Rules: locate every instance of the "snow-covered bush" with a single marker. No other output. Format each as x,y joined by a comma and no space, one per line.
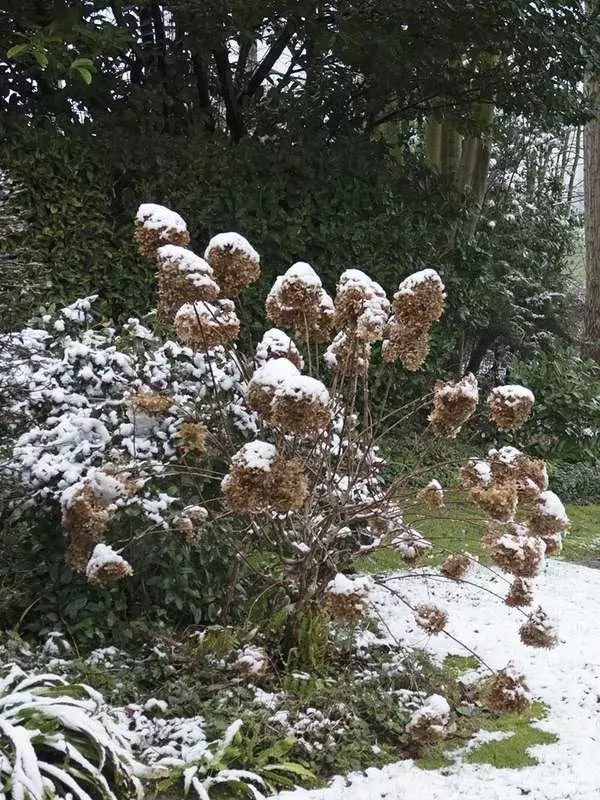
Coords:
197,432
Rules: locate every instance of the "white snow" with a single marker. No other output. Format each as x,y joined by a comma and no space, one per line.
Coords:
275,341
465,387
303,386
154,216
255,455
303,273
512,393
274,373
234,242
196,269
549,505
103,555
566,679
409,284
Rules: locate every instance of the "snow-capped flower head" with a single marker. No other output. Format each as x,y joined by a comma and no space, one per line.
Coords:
259,478
539,630
157,225
506,692
346,598
277,344
106,566
419,301
235,263
84,519
520,593
252,661
265,381
402,344
190,521
514,550
432,495
498,501
411,544
431,618
453,403
550,516
475,473
348,355
182,277
361,305
428,724
301,405
203,326
298,301
510,406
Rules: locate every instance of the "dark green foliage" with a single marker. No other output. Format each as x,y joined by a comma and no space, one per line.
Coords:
577,482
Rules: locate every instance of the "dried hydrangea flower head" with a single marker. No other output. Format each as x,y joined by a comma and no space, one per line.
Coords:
152,403
510,406
514,550
539,630
252,662
234,261
506,692
246,487
182,277
432,495
264,383
155,226
361,305
419,301
289,484
300,405
550,516
529,475
431,618
475,474
297,300
348,356
106,566
520,593
457,565
346,599
498,501
400,343
203,326
453,403
428,724
411,544
191,437
189,522
277,344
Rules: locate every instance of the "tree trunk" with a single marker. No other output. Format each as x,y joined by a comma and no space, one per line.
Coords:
591,179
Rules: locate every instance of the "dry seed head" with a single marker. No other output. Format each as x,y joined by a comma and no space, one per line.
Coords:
432,495
247,486
85,519
520,593
189,523
348,356
264,383
277,344
346,600
192,437
431,618
539,630
182,277
507,693
428,724
300,287
361,304
419,301
203,326
411,545
510,406
454,402
155,226
290,485
499,501
234,261
316,324
106,566
400,343
550,516
476,474
457,565
301,405
150,403
554,544
518,554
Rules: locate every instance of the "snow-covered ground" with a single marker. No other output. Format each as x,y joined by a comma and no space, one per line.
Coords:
567,679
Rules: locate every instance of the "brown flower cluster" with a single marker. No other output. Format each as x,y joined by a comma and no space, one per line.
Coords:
298,301
85,519
506,692
431,618
155,226
345,599
432,495
539,630
550,519
417,305
264,383
189,522
510,406
235,263
106,566
498,501
514,550
456,565
277,344
192,437
520,593
151,403
348,355
453,403
182,277
206,325
259,479
301,405
429,724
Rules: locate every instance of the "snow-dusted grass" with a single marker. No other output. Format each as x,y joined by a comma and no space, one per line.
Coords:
566,680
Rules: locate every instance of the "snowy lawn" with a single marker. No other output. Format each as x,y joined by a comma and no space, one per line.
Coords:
566,679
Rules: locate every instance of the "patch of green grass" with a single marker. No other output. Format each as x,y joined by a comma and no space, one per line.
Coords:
509,753
456,665
583,540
